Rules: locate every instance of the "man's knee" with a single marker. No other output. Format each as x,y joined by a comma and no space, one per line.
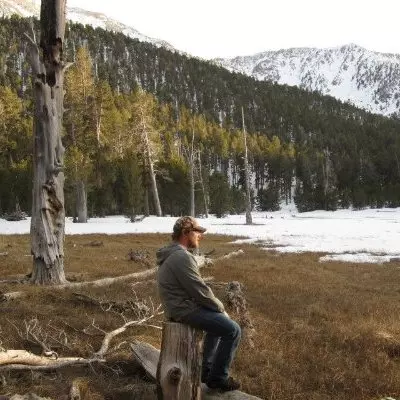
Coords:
235,331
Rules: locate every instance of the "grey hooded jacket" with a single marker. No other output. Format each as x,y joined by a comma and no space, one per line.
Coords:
181,288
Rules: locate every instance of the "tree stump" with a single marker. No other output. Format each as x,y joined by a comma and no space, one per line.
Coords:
179,365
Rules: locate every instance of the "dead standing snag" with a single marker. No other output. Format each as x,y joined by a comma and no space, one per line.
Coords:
48,215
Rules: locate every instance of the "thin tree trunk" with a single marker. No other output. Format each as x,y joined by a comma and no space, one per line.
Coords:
48,214
146,201
191,177
154,189
152,175
249,219
81,202
202,187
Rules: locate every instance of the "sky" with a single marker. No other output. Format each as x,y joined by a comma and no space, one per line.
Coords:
225,28
367,236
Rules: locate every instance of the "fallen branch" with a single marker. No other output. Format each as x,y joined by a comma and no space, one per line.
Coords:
147,356
110,335
230,255
46,359
29,396
11,296
22,359
16,280
202,260
109,281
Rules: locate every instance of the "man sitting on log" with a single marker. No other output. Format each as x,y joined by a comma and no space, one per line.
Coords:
187,299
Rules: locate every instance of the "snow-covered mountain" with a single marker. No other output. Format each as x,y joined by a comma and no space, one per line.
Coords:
367,79
27,8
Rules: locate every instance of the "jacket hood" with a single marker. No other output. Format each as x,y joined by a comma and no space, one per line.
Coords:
163,253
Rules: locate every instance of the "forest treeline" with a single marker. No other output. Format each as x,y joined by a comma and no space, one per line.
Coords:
143,124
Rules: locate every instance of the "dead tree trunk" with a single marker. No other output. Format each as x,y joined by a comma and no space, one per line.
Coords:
179,365
203,189
191,177
48,215
81,202
153,182
249,219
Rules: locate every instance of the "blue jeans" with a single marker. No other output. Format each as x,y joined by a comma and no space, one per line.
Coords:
220,342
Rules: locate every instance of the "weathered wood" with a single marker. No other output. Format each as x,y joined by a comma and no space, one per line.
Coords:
179,364
10,296
22,359
249,219
48,214
29,396
81,202
147,356
202,260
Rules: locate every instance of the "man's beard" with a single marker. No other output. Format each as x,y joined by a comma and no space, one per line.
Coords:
193,244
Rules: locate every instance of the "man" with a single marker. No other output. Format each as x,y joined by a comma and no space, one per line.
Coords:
187,299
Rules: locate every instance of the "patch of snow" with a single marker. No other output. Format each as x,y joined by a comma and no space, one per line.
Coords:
371,235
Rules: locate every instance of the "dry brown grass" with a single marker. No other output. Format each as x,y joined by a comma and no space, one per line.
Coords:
323,331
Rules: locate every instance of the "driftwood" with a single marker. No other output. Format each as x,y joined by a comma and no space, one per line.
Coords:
10,296
179,364
73,285
204,261
22,360
29,396
108,281
46,359
147,356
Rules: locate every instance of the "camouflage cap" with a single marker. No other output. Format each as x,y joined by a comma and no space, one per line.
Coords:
188,224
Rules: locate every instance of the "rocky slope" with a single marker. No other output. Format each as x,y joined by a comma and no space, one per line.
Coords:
367,79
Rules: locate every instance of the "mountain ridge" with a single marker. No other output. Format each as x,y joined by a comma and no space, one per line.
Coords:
367,79
29,8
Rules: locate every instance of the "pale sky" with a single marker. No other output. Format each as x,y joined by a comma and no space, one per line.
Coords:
212,28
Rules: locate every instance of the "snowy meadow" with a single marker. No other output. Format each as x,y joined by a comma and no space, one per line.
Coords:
371,235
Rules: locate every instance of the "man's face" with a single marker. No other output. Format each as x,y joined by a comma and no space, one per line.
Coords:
194,238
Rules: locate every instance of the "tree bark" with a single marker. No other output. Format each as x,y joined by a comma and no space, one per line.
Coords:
179,365
147,356
191,177
203,189
48,215
154,189
81,202
22,359
249,219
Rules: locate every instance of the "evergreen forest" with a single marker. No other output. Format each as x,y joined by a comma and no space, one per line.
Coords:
145,127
